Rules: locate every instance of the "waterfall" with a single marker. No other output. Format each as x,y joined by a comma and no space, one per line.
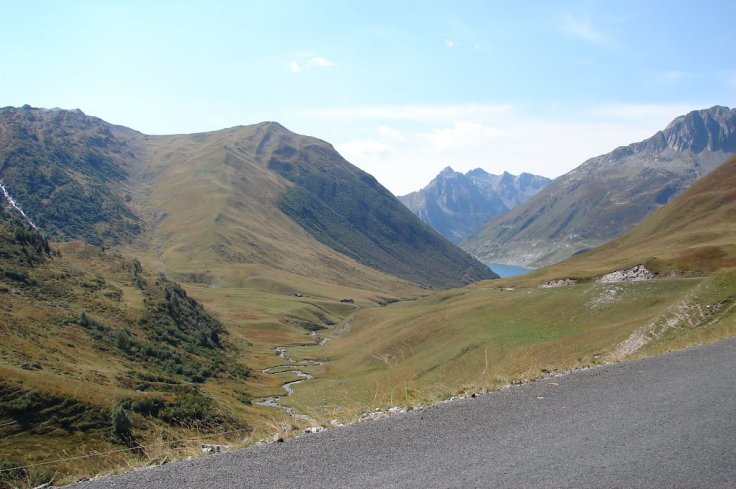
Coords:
15,206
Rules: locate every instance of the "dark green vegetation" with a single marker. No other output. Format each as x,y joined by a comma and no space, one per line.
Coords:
66,170
90,337
349,211
182,339
609,194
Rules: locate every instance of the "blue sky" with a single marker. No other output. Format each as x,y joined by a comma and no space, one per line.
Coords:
402,89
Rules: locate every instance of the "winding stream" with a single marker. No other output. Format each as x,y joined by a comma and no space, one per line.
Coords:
288,387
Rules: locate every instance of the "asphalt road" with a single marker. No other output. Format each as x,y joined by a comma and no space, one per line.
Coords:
664,422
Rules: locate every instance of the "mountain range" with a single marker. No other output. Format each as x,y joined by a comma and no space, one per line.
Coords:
249,195
176,284
608,194
457,205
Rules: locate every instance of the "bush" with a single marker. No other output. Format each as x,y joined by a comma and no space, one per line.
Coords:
121,424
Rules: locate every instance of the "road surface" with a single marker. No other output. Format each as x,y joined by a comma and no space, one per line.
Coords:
663,422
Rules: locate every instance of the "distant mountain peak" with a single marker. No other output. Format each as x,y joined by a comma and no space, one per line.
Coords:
477,172
272,126
457,205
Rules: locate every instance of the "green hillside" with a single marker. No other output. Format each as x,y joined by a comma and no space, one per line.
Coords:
66,169
99,354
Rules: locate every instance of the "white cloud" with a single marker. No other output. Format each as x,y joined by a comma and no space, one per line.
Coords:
309,61
366,148
418,113
405,147
461,135
319,62
584,30
450,43
389,133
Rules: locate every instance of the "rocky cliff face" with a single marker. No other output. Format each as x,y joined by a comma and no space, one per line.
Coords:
608,194
457,204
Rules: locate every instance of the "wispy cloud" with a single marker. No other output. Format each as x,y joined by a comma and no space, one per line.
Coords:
306,60
462,135
584,30
406,146
319,62
674,76
450,43
419,113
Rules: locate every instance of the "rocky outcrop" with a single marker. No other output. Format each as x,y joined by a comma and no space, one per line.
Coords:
634,274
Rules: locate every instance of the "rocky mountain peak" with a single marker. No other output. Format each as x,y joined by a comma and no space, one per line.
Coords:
447,172
457,204
477,173
711,129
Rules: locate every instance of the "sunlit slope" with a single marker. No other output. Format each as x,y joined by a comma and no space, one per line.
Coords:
87,331
476,339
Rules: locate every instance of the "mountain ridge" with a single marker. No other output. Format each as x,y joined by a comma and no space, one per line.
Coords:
218,197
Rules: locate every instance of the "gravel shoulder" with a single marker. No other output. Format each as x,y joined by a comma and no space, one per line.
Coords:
667,421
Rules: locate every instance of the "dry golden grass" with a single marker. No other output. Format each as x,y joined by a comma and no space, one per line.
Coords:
480,339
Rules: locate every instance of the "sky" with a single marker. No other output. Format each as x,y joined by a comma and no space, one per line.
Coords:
402,89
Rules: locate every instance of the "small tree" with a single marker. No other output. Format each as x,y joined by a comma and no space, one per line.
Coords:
121,424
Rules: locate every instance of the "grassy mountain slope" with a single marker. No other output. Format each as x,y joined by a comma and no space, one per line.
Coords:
89,334
348,210
493,333
609,194
66,169
86,331
213,206
205,205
